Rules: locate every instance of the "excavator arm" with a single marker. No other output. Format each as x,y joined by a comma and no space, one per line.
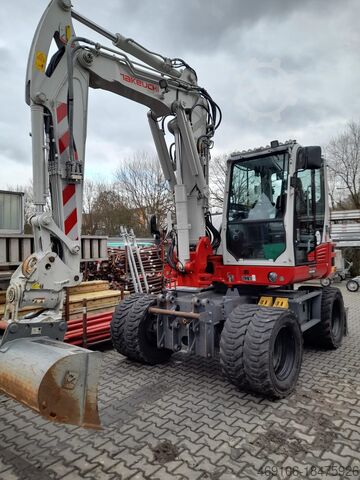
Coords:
60,381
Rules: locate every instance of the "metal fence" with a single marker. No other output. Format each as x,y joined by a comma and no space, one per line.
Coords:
345,228
15,248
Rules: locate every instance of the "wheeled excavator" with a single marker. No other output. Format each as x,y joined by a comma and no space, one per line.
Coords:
230,289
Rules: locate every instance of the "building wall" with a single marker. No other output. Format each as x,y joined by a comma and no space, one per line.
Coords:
11,212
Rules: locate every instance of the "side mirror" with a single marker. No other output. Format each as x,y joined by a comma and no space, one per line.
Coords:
308,158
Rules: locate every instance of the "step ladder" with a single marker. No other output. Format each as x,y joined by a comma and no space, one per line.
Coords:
136,266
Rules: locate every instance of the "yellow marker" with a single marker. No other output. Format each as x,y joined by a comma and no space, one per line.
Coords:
266,301
281,302
67,32
35,286
40,61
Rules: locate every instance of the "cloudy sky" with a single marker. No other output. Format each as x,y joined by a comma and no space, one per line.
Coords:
278,69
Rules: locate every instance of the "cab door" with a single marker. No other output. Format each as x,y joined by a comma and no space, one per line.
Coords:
309,213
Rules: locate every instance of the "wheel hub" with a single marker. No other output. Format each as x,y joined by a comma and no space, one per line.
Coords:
283,355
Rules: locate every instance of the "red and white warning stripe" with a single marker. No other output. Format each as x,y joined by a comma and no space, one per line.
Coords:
70,211
69,189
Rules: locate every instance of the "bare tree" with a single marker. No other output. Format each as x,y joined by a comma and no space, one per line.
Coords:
333,190
91,192
109,213
343,156
104,209
143,188
217,177
218,171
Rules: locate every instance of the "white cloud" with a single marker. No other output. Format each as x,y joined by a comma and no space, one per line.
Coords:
316,44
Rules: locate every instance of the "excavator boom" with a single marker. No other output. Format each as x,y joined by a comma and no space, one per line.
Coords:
57,380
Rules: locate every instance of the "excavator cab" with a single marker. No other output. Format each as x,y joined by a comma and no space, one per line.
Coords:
257,205
276,214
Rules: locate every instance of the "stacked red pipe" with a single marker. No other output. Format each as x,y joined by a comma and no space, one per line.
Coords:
97,330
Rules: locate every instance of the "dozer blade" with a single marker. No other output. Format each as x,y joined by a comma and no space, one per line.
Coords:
53,378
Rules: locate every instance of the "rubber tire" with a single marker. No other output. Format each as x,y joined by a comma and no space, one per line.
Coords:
259,349
350,282
132,338
322,334
232,344
326,282
246,349
118,321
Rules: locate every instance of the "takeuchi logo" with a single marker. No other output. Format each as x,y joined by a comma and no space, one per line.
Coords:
140,83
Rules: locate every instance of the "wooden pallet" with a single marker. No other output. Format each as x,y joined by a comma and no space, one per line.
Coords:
2,296
94,300
89,287
99,298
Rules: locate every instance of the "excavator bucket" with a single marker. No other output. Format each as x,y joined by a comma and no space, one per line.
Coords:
55,379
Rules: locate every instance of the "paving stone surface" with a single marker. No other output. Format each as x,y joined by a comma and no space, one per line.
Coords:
183,420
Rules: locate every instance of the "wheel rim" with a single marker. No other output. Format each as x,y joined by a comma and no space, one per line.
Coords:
336,320
352,286
284,353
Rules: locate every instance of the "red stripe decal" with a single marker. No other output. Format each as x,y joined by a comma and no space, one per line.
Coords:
64,142
68,192
61,112
71,221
